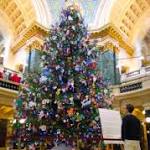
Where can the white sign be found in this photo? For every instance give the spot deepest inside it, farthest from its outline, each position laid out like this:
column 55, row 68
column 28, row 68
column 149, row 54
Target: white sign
column 111, row 126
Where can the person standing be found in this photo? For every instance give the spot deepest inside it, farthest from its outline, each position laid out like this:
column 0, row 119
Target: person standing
column 131, row 130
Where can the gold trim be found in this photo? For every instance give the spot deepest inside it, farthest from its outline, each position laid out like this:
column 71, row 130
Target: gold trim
column 109, row 45
column 8, row 92
column 37, row 30
column 7, row 97
column 35, row 45
column 34, row 30
column 113, row 32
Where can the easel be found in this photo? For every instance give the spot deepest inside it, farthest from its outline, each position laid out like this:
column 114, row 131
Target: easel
column 110, row 139
column 110, row 146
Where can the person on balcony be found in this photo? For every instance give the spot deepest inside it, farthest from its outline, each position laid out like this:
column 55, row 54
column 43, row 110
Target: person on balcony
column 15, row 78
column 5, row 74
column 1, row 75
column 131, row 130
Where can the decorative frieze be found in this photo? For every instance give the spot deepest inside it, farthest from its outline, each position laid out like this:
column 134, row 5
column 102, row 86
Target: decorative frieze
column 131, row 87
column 9, row 85
column 34, row 30
column 111, row 31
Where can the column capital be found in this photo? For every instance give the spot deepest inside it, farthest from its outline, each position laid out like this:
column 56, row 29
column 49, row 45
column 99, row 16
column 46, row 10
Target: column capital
column 35, row 30
column 111, row 31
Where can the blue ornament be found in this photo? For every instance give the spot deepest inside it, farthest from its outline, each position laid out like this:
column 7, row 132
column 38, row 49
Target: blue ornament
column 86, row 103
column 46, row 72
column 43, row 133
column 67, row 13
column 78, row 68
column 99, row 97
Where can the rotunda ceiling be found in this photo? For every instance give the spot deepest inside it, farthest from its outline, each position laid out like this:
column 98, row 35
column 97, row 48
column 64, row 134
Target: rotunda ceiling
column 130, row 16
column 17, row 13
column 88, row 8
column 124, row 14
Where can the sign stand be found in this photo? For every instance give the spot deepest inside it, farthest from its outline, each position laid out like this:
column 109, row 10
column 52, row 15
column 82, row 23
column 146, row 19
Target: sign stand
column 111, row 127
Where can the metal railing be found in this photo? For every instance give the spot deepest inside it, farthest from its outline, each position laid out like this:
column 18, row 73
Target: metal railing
column 144, row 71
column 9, row 79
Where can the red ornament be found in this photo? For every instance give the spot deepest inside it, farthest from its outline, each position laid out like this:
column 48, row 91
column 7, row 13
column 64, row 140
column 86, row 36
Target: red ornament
column 92, row 65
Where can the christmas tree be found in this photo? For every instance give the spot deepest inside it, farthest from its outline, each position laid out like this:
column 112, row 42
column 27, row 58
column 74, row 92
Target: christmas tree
column 59, row 104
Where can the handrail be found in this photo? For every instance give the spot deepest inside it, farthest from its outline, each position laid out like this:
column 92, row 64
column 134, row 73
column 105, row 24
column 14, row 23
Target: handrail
column 144, row 71
column 10, row 70
column 133, row 73
column 10, row 79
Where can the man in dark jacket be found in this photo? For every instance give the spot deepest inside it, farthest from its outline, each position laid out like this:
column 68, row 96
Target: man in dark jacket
column 131, row 130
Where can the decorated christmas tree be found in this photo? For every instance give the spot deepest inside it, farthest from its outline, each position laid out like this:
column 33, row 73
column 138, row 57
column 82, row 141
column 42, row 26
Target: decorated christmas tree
column 60, row 103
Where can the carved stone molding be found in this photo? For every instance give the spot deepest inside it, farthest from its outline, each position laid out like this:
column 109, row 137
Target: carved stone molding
column 126, row 14
column 7, row 96
column 35, row 45
column 18, row 13
column 34, row 30
column 110, row 46
column 113, row 32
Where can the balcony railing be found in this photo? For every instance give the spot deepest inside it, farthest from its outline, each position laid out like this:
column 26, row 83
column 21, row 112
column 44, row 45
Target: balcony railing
column 135, row 81
column 9, row 85
column 145, row 71
column 9, row 79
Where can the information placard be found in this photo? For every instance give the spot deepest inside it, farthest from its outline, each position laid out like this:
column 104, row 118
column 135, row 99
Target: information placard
column 111, row 126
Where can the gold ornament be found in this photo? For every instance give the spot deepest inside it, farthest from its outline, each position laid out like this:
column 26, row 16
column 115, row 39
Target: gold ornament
column 58, row 92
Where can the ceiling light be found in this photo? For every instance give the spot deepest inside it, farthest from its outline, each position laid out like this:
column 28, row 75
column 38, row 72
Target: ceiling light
column 143, row 112
column 141, row 58
column 148, row 119
column 14, row 121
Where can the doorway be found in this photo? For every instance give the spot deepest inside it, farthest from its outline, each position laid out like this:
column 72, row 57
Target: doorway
column 3, row 132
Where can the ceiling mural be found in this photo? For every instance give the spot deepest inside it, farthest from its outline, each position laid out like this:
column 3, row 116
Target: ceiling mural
column 88, row 7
